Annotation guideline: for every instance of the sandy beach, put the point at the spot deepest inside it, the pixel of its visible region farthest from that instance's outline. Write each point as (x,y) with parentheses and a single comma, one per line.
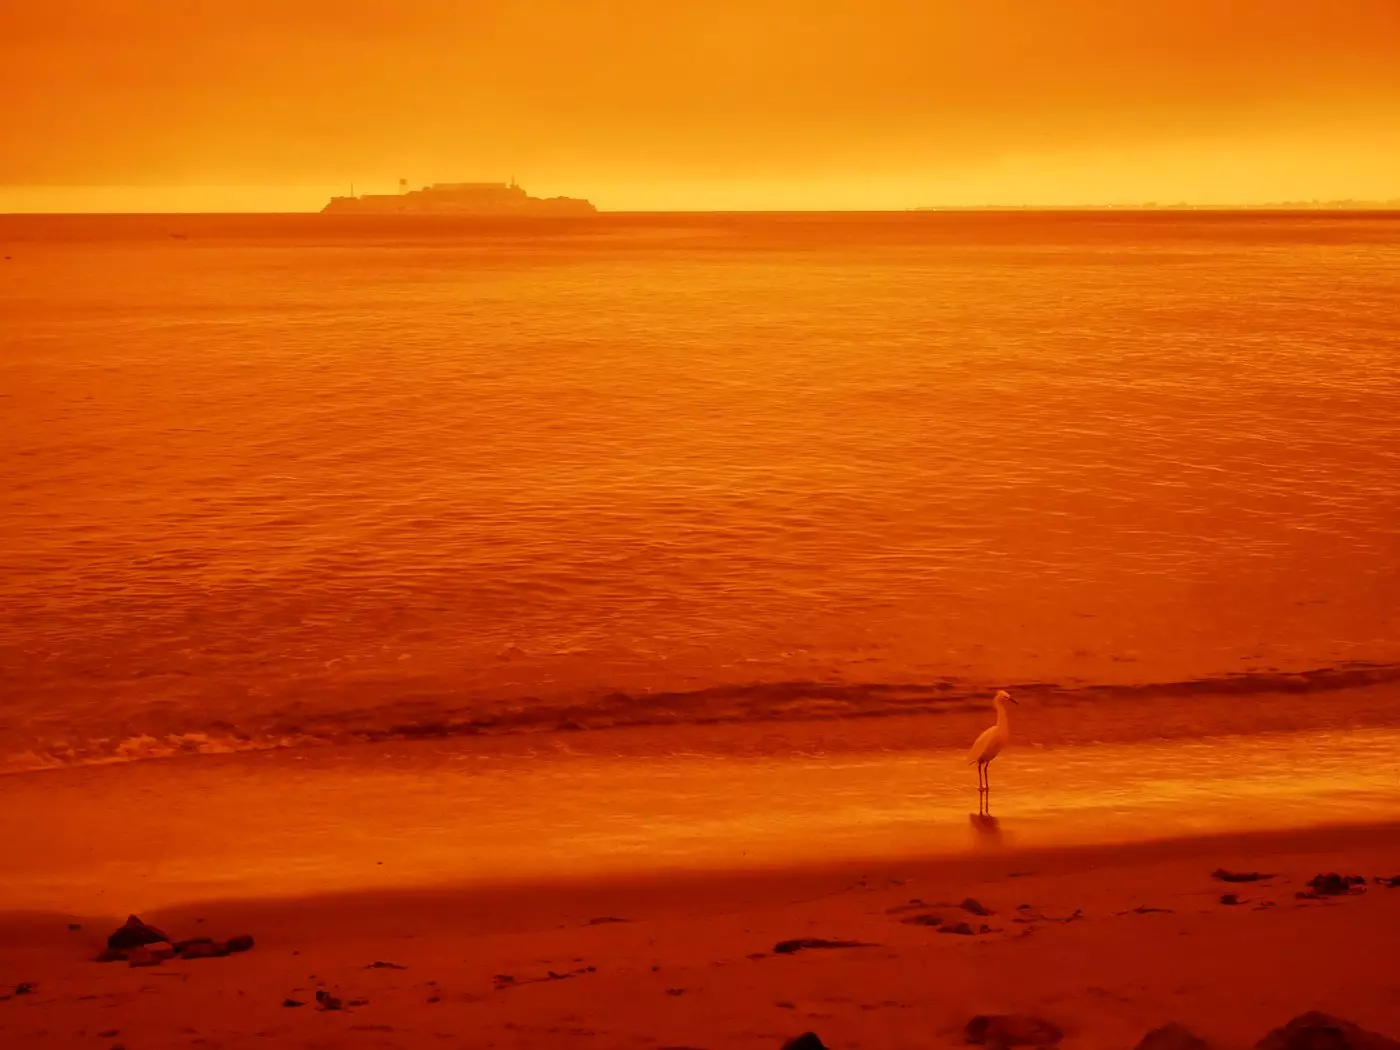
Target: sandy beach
(1106,943)
(480,909)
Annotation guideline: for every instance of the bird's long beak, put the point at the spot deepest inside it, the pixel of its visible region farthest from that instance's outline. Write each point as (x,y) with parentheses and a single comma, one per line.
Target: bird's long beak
(1014,701)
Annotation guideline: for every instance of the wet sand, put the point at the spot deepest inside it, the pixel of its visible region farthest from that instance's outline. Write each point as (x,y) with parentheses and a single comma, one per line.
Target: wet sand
(461,862)
(637,802)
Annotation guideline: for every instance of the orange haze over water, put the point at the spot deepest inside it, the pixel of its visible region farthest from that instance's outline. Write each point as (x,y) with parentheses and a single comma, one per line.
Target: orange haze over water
(567,613)
(150,105)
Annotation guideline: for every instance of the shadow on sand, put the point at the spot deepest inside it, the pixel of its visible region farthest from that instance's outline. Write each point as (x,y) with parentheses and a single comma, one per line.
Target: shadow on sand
(986,829)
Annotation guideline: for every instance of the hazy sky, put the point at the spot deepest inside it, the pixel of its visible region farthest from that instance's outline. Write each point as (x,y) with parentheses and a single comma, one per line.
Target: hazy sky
(738,103)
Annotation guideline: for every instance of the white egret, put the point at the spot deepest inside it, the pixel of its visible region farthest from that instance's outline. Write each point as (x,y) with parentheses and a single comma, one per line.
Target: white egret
(990,743)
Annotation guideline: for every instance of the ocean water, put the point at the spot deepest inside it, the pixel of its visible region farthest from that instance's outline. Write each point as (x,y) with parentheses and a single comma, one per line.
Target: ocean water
(283,479)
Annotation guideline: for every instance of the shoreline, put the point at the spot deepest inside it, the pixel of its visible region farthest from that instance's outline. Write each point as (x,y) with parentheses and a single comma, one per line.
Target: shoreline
(371,817)
(667,887)
(1359,696)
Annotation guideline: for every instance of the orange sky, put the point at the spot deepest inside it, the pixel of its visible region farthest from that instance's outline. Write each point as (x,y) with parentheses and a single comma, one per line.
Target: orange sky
(721,103)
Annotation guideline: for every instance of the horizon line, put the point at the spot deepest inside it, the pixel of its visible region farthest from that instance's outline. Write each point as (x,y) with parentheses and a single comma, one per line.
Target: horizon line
(1392,204)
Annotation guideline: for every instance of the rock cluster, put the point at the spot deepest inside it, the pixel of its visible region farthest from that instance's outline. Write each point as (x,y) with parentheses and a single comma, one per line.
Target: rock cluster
(1310,1031)
(140,944)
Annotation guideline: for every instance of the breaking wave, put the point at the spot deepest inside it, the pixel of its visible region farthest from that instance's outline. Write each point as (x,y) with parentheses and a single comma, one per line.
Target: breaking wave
(775,702)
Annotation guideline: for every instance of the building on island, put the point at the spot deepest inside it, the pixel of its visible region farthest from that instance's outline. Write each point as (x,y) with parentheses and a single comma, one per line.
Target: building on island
(459,198)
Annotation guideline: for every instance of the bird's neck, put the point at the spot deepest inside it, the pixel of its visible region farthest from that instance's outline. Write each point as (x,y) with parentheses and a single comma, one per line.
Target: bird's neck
(1001,712)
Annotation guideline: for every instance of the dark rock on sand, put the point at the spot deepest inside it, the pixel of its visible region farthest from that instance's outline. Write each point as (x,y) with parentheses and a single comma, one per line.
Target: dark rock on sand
(956,927)
(1393,881)
(1319,1031)
(379,965)
(24,988)
(1172,1036)
(134,934)
(799,944)
(292,1002)
(1238,876)
(975,906)
(241,943)
(1230,898)
(200,948)
(805,1041)
(144,955)
(1330,884)
(1002,1030)
(922,920)
(604,920)
(327,1001)
(1030,914)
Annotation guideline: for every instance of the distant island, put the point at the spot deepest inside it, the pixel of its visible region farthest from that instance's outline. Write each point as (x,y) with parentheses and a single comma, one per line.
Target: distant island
(458,198)
(1343,205)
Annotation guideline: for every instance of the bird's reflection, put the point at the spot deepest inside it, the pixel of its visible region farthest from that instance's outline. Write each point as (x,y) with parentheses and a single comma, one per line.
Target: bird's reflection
(986,829)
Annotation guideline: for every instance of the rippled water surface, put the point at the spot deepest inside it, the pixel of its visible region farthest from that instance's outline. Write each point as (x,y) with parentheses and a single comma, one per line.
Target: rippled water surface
(277,477)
